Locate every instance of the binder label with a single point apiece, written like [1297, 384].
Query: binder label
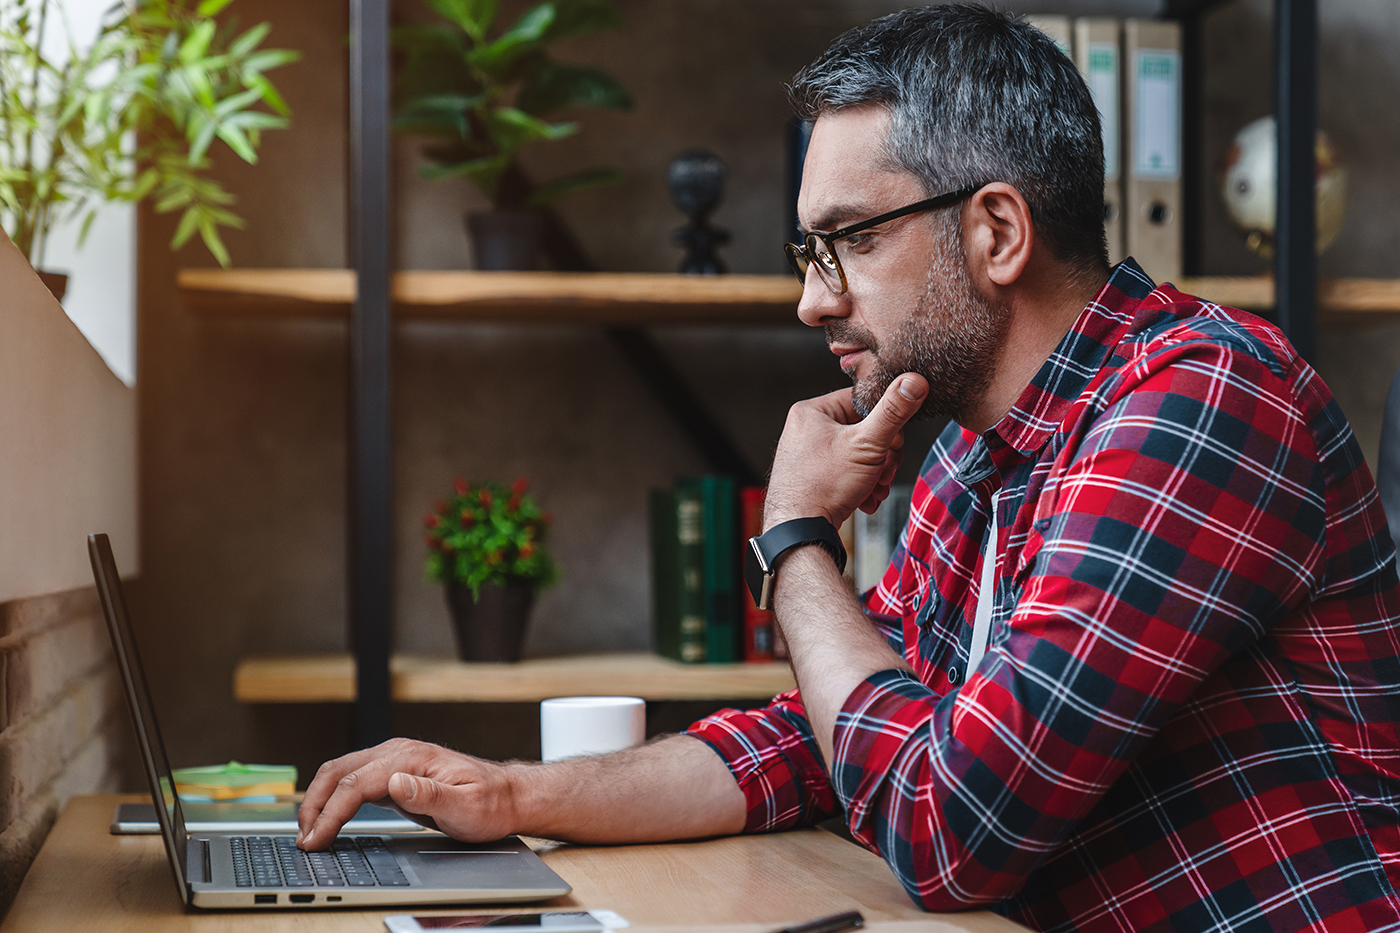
[1157, 117]
[1103, 87]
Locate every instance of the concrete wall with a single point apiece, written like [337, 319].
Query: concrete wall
[243, 421]
[67, 467]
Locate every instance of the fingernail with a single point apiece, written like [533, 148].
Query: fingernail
[410, 787]
[907, 389]
[307, 837]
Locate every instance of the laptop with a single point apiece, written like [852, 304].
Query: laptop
[238, 816]
[267, 870]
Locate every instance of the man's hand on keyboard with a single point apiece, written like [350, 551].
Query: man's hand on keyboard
[465, 797]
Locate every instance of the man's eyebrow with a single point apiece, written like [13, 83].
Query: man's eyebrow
[834, 217]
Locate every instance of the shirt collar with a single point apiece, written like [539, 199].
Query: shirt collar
[1078, 358]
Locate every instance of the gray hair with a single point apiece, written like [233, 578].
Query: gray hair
[976, 96]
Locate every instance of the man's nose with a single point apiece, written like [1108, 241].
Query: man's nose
[819, 305]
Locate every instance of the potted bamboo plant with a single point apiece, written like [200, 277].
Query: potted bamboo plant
[486, 545]
[481, 98]
[134, 115]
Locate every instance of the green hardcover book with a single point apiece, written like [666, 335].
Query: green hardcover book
[690, 565]
[665, 574]
[718, 502]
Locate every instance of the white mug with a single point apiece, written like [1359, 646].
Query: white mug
[574, 726]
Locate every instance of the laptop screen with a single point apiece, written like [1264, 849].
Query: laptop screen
[143, 716]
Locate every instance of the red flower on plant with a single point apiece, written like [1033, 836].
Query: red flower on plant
[526, 550]
[460, 485]
[485, 497]
[468, 518]
[431, 520]
[513, 503]
[519, 486]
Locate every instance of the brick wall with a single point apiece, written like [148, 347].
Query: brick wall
[63, 722]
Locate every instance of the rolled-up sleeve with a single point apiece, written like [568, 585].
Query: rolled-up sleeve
[773, 755]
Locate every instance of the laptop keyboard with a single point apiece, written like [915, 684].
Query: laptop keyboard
[276, 862]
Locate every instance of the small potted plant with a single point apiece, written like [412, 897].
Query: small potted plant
[483, 98]
[486, 546]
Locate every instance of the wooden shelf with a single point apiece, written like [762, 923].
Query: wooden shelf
[512, 297]
[1334, 296]
[633, 297]
[331, 679]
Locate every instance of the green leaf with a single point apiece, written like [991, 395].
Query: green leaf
[512, 128]
[461, 13]
[250, 39]
[215, 244]
[239, 101]
[87, 225]
[580, 17]
[582, 181]
[560, 86]
[202, 139]
[524, 36]
[197, 44]
[268, 59]
[189, 222]
[211, 7]
[487, 168]
[238, 142]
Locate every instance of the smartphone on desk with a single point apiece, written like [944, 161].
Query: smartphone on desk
[551, 921]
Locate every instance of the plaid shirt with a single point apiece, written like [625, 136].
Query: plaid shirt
[1188, 715]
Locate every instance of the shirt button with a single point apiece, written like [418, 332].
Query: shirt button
[954, 675]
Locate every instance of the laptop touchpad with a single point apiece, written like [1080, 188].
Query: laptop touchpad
[469, 868]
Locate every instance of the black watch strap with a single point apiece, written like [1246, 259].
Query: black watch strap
[767, 550]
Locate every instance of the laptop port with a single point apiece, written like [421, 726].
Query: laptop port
[332, 898]
[264, 898]
[301, 898]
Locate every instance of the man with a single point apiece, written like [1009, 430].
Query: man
[1135, 665]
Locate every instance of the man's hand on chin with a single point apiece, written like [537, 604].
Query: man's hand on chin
[465, 797]
[831, 462]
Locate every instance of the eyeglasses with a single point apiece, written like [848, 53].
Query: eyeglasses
[819, 249]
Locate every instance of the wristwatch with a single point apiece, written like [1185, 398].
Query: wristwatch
[767, 550]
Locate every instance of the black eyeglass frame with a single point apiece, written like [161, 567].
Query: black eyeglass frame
[800, 257]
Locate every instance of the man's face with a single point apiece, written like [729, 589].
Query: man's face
[911, 305]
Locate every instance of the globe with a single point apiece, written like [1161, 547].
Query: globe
[1247, 186]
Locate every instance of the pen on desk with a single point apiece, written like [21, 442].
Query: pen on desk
[833, 924]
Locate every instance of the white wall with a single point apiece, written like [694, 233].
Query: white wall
[101, 297]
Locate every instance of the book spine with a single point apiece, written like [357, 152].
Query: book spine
[721, 607]
[757, 623]
[665, 574]
[690, 563]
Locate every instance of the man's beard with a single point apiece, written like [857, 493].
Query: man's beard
[953, 338]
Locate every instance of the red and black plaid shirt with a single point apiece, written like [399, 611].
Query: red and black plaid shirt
[1188, 715]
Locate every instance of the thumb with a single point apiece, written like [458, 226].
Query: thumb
[900, 402]
[416, 794]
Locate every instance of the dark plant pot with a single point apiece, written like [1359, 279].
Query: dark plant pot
[57, 283]
[505, 241]
[494, 628]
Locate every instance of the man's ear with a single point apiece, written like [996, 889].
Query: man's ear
[998, 234]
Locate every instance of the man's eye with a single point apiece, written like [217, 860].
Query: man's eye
[860, 241]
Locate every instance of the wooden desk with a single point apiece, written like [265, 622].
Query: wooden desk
[86, 879]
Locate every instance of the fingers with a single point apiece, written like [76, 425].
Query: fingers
[420, 798]
[900, 402]
[342, 786]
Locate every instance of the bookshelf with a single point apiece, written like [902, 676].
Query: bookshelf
[417, 679]
[372, 311]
